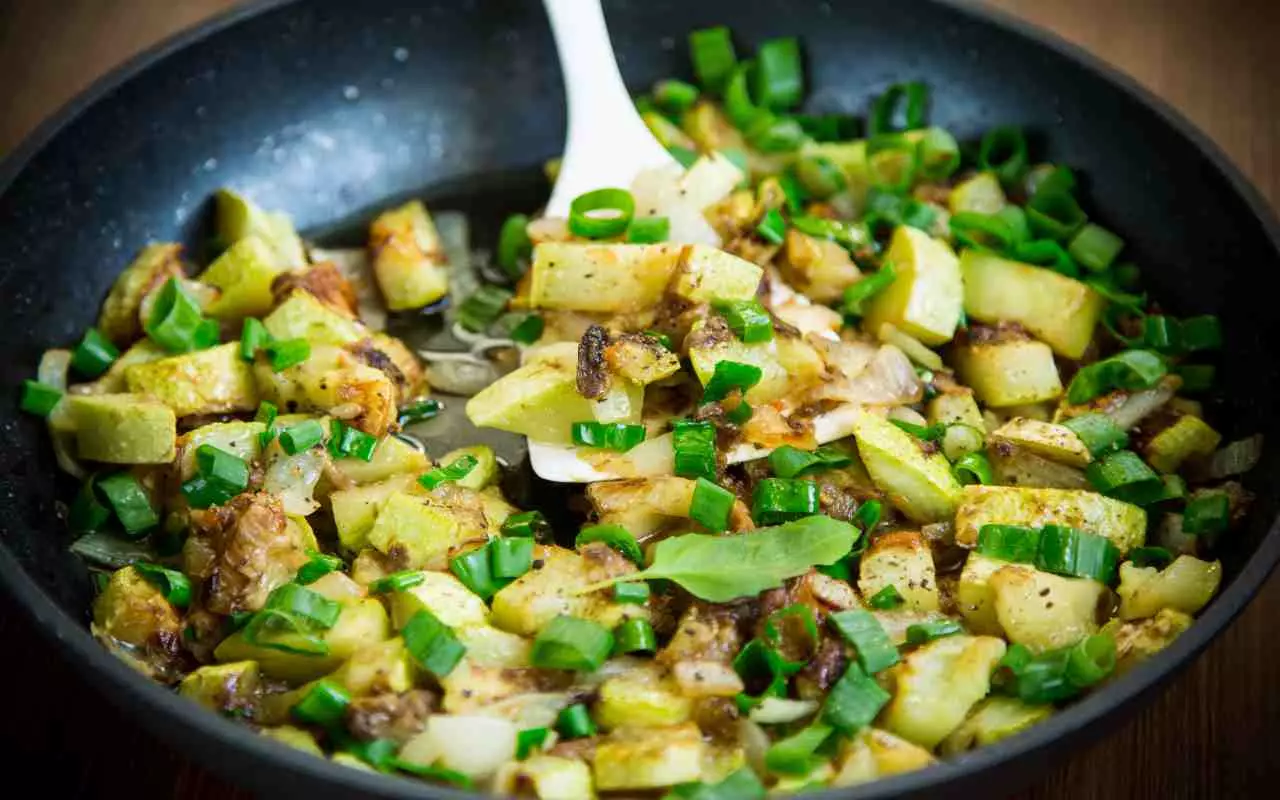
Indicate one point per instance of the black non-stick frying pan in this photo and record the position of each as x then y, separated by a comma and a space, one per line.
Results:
330, 108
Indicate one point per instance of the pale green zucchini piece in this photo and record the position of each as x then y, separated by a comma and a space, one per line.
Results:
994, 719
483, 474
444, 596
974, 597
926, 296
918, 483
113, 381
786, 364
955, 409
243, 275
331, 379
526, 605
550, 778
239, 218
392, 456
937, 684
119, 320
1008, 373
417, 532
1124, 524
1187, 437
356, 509
223, 687
981, 194
213, 381
709, 273
641, 698
123, 428
903, 560
1055, 442
1138, 640
650, 758
1043, 611
1186, 585
609, 278
303, 316
875, 753
408, 259
238, 438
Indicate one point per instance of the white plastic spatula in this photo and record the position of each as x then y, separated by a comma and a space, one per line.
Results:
608, 143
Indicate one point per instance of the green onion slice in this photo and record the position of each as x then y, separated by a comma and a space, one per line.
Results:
1131, 370
601, 213
574, 722
514, 245
1047, 253
713, 56
174, 585
902, 107
324, 704
529, 524
886, 599
398, 581
39, 399
695, 449
747, 319
973, 468
571, 643
1009, 543
778, 500
634, 592
175, 318
1055, 215
711, 505
792, 462
419, 412
820, 176
530, 739
675, 96
616, 536
474, 569
730, 375
797, 754
1004, 151
635, 636
253, 337
1125, 476
1151, 556
854, 701
618, 436
856, 295
1099, 433
301, 437
286, 353
510, 558
432, 644
1094, 247
130, 502
861, 629
924, 632
483, 307
939, 154
348, 442
94, 355
892, 162
1207, 514
1076, 553
779, 77
455, 470
772, 227
648, 230
318, 565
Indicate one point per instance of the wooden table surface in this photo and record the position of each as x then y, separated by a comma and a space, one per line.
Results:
1214, 733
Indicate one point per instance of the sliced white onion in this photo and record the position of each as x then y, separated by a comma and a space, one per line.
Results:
755, 743
1236, 458
293, 479
911, 346
474, 745
1139, 405
780, 710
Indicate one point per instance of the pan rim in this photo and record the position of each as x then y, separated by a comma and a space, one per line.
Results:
109, 673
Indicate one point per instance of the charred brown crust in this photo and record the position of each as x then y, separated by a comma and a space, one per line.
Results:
593, 376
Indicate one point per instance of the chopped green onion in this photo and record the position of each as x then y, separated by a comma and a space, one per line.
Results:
740, 785
1002, 231
348, 442
432, 644
571, 643
770, 134
929, 433
861, 629
619, 436
730, 375
635, 636
892, 162
1201, 333
1207, 514
739, 106
647, 230
714, 60
175, 318
1009, 543
287, 353
1196, 377
301, 437
311, 606
867, 516
819, 176
483, 307
633, 592
436, 774
130, 502
318, 565
973, 468
175, 586
1004, 152
220, 476
1047, 253
792, 462
886, 599
285, 631
828, 127
1124, 476
510, 558
1050, 179
324, 704
849, 235
87, 514
695, 449
1099, 433
398, 581
747, 319
683, 155
902, 107
266, 414
1151, 556
1126, 276
455, 470
419, 412
854, 701
1131, 370
616, 536
253, 337
866, 288
474, 570
1075, 553
923, 632
794, 196
378, 753
1094, 247
674, 95
601, 213
529, 524
796, 754
739, 414
514, 245
711, 505
779, 76
1055, 215
1090, 660
522, 327
530, 739
38, 398
772, 227
574, 722
662, 338
939, 154
94, 355
778, 500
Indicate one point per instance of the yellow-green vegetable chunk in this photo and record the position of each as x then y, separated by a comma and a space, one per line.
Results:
926, 296
1008, 373
243, 276
917, 482
408, 259
213, 381
1124, 524
937, 684
123, 428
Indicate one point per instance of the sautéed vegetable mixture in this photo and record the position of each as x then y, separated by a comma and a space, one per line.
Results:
877, 452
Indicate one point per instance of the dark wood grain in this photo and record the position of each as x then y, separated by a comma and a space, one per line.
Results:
1214, 733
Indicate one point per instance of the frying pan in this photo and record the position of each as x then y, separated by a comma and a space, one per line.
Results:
329, 108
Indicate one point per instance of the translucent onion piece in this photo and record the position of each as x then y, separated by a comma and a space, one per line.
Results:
473, 744
909, 345
294, 478
779, 710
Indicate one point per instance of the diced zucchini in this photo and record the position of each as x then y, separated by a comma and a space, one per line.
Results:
119, 320
377, 668
641, 698
393, 456
786, 364
641, 505
222, 687
900, 559
958, 408
489, 647
649, 758
444, 596
981, 194
213, 381
294, 737
303, 316
243, 275
926, 296
131, 610
640, 359
1014, 466
1044, 611
527, 604
483, 474
123, 428
918, 483
238, 438
994, 719
1124, 524
1138, 640
1059, 310
1188, 436
611, 278
1008, 373
851, 157
332, 379
408, 259
541, 400
875, 753
354, 510
239, 218
550, 777
416, 532
704, 274
361, 623
975, 600
819, 269
1186, 585
937, 684
1056, 442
